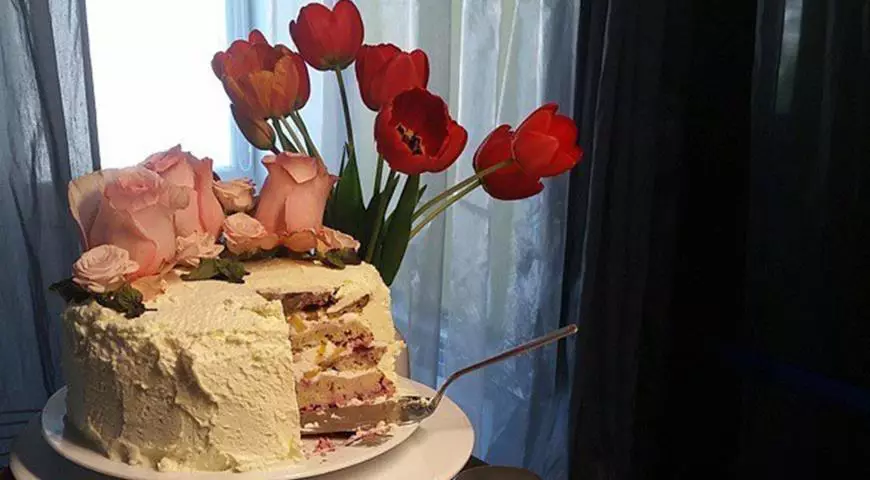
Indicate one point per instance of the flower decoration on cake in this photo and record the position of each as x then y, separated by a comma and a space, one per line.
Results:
190, 249
203, 212
104, 269
235, 195
131, 208
293, 199
173, 214
245, 235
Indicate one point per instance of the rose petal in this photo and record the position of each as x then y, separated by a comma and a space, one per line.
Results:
301, 241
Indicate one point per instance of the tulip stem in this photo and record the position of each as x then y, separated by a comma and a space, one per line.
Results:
296, 139
309, 142
383, 201
286, 144
475, 182
378, 173
459, 186
347, 123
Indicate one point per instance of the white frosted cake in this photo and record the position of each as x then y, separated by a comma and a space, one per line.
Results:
214, 377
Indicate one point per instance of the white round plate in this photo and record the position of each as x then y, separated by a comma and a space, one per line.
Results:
53, 430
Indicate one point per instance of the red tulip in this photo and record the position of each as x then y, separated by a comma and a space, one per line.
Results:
256, 131
509, 182
303, 92
328, 39
545, 144
384, 71
415, 134
262, 81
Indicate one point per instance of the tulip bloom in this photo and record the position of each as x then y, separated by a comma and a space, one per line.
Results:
262, 81
415, 134
509, 182
256, 130
544, 145
328, 39
384, 71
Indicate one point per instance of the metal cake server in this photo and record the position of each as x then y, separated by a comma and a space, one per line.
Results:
409, 409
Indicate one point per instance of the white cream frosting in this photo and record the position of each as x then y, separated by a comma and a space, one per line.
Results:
206, 381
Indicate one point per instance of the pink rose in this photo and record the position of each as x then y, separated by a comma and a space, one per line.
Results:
203, 212
131, 208
189, 249
329, 239
236, 195
293, 198
103, 269
244, 234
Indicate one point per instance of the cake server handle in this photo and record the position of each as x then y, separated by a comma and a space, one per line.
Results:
531, 345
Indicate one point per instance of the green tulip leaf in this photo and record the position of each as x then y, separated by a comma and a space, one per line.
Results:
375, 213
398, 231
346, 209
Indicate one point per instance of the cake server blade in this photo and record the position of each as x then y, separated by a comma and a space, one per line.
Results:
408, 409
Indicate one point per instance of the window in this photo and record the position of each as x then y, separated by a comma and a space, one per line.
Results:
153, 83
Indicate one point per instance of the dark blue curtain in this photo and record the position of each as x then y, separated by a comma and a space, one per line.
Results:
719, 263
47, 137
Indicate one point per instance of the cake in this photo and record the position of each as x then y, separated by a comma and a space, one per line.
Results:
214, 375
206, 325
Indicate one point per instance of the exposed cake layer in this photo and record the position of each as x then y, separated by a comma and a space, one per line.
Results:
336, 291
346, 331
205, 382
352, 415
341, 358
341, 329
336, 389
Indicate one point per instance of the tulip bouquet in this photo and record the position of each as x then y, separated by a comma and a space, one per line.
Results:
414, 134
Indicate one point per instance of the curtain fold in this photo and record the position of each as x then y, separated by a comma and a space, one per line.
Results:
47, 137
654, 265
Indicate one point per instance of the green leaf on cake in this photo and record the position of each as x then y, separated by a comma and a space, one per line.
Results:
126, 300
231, 270
206, 270
338, 258
333, 259
398, 233
349, 256
228, 269
70, 291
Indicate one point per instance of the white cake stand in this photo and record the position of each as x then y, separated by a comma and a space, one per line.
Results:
437, 450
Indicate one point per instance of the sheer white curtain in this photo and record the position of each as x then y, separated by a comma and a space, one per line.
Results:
487, 275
